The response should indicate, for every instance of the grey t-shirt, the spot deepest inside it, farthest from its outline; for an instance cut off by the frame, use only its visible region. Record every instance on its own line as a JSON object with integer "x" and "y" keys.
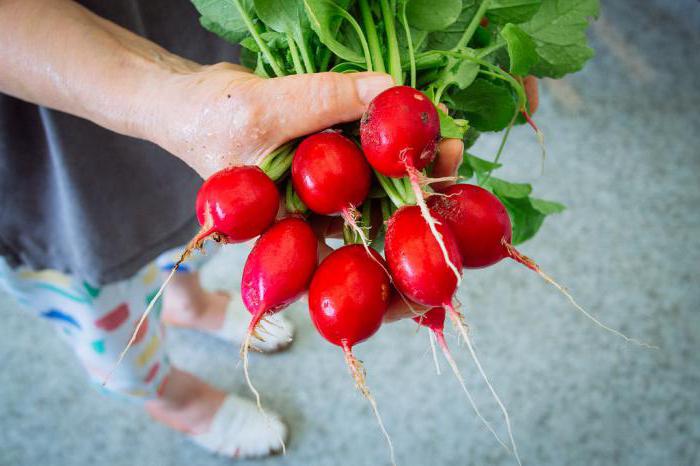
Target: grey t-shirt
{"x": 81, "y": 199}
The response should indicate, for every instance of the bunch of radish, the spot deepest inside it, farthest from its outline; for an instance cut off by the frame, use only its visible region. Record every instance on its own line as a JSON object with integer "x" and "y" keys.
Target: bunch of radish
{"x": 429, "y": 236}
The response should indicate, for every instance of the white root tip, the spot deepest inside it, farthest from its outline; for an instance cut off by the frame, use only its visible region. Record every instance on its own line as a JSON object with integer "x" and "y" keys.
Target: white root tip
{"x": 529, "y": 263}
{"x": 457, "y": 322}
{"x": 432, "y": 223}
{"x": 431, "y": 338}
{"x": 358, "y": 374}
{"x": 143, "y": 318}
{"x": 460, "y": 379}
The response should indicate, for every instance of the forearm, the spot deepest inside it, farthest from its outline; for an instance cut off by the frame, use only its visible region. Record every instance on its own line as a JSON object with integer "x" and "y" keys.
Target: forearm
{"x": 58, "y": 54}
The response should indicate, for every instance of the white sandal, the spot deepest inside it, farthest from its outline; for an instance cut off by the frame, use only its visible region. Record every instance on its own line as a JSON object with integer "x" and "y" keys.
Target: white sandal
{"x": 240, "y": 430}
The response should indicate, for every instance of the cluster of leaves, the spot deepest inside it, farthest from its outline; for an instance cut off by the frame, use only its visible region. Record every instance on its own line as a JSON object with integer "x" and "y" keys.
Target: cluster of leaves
{"x": 466, "y": 54}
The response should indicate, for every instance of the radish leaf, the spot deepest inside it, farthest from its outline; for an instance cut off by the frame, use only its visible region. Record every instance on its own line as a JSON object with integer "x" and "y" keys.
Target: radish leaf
{"x": 432, "y": 15}
{"x": 521, "y": 49}
{"x": 512, "y": 11}
{"x": 559, "y": 31}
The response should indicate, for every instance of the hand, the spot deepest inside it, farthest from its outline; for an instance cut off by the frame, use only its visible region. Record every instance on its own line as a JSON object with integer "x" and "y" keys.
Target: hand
{"x": 223, "y": 115}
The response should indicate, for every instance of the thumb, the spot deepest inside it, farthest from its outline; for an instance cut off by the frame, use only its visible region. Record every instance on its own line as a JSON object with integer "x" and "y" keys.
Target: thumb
{"x": 312, "y": 102}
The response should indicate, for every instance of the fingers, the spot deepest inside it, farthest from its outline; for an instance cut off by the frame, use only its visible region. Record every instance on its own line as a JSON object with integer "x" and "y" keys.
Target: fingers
{"x": 399, "y": 309}
{"x": 532, "y": 93}
{"x": 313, "y": 102}
{"x": 448, "y": 160}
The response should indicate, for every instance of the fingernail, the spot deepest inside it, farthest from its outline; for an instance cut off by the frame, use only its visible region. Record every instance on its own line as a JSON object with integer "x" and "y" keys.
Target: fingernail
{"x": 369, "y": 86}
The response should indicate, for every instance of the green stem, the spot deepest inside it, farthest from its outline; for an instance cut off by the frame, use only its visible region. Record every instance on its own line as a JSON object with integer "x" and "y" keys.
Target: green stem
{"x": 306, "y": 55}
{"x": 495, "y": 72}
{"x": 500, "y": 147}
{"x": 292, "y": 203}
{"x": 258, "y": 40}
{"x": 469, "y": 32}
{"x": 298, "y": 67}
{"x": 277, "y": 163}
{"x": 490, "y": 49}
{"x": 409, "y": 41}
{"x": 392, "y": 43}
{"x": 410, "y": 198}
{"x": 390, "y": 190}
{"x": 372, "y": 37}
{"x": 399, "y": 186}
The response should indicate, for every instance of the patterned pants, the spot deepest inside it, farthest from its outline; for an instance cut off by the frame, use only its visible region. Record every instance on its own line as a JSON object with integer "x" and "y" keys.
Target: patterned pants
{"x": 97, "y": 322}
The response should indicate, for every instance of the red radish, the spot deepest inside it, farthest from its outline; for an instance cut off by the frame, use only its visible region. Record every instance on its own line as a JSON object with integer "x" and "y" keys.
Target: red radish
{"x": 483, "y": 233}
{"x": 276, "y": 273}
{"x": 331, "y": 176}
{"x": 434, "y": 320}
{"x": 479, "y": 221}
{"x": 348, "y": 297}
{"x": 415, "y": 261}
{"x": 236, "y": 204}
{"x": 233, "y": 205}
{"x": 422, "y": 275}
{"x": 399, "y": 134}
{"x": 330, "y": 173}
{"x": 400, "y": 129}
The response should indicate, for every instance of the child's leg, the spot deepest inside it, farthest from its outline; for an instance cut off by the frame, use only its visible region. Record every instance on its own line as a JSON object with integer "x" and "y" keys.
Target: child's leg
{"x": 98, "y": 322}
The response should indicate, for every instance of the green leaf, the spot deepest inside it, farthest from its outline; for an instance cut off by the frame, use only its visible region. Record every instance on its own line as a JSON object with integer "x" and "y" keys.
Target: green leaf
{"x": 447, "y": 38}
{"x": 347, "y": 67}
{"x": 433, "y": 15}
{"x": 465, "y": 171}
{"x": 451, "y": 128}
{"x": 487, "y": 106}
{"x": 525, "y": 219}
{"x": 274, "y": 40}
{"x": 281, "y": 16}
{"x": 521, "y": 49}
{"x": 547, "y": 207}
{"x": 480, "y": 165}
{"x": 249, "y": 59}
{"x": 512, "y": 11}
{"x": 234, "y": 37}
{"x": 559, "y": 31}
{"x": 223, "y": 18}
{"x": 462, "y": 74}
{"x": 321, "y": 14}
{"x": 508, "y": 189}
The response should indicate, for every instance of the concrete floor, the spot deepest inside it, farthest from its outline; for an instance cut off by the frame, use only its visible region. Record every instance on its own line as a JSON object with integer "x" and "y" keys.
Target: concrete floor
{"x": 623, "y": 151}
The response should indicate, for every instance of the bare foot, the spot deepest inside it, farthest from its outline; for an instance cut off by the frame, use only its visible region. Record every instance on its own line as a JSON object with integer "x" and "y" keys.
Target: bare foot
{"x": 187, "y": 304}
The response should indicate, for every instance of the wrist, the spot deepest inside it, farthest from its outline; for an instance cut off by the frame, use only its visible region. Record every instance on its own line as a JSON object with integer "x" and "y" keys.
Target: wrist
{"x": 153, "y": 104}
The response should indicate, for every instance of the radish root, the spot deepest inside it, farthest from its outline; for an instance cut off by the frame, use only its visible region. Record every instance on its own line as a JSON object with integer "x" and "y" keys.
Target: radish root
{"x": 440, "y": 337}
{"x": 538, "y": 133}
{"x": 457, "y": 321}
{"x": 196, "y": 243}
{"x": 413, "y": 175}
{"x": 358, "y": 374}
{"x": 532, "y": 265}
{"x": 431, "y": 338}
{"x": 252, "y": 331}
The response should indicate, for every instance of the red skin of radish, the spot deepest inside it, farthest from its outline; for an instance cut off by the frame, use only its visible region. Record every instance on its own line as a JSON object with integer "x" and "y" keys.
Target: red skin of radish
{"x": 400, "y": 128}
{"x": 349, "y": 295}
{"x": 479, "y": 221}
{"x": 434, "y": 319}
{"x": 330, "y": 173}
{"x": 416, "y": 261}
{"x": 279, "y": 267}
{"x": 238, "y": 203}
